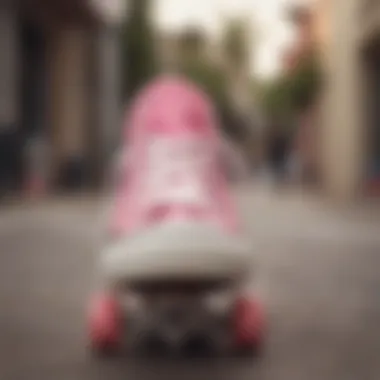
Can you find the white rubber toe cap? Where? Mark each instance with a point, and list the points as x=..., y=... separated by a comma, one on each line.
x=177, y=251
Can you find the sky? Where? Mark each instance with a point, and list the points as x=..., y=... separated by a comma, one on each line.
x=273, y=32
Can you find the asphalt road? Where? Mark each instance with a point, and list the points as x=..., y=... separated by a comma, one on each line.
x=318, y=275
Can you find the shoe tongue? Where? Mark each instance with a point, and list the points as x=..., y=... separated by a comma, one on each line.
x=176, y=180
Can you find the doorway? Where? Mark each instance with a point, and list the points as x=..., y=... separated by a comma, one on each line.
x=371, y=100
x=33, y=86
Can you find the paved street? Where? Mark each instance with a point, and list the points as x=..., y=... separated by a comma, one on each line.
x=318, y=274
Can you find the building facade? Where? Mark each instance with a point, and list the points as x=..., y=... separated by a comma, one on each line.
x=58, y=90
x=349, y=32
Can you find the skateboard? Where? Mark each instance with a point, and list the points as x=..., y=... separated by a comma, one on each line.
x=174, y=270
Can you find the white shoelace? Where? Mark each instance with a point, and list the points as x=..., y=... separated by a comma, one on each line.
x=175, y=172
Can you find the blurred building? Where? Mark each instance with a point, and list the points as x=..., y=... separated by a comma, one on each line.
x=58, y=86
x=349, y=38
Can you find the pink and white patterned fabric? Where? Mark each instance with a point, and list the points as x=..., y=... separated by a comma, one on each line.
x=173, y=170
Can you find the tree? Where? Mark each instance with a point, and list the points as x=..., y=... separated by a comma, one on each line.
x=291, y=94
x=194, y=64
x=276, y=100
x=236, y=49
x=207, y=74
x=305, y=82
x=191, y=45
x=138, y=53
x=235, y=43
x=211, y=78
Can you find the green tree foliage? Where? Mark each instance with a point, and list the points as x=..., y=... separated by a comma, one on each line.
x=138, y=53
x=212, y=80
x=195, y=65
x=305, y=82
x=191, y=46
x=275, y=99
x=290, y=94
x=235, y=42
x=207, y=74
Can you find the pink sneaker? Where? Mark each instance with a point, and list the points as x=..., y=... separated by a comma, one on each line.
x=174, y=215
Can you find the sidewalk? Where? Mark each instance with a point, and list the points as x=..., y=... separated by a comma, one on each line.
x=296, y=215
x=267, y=211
